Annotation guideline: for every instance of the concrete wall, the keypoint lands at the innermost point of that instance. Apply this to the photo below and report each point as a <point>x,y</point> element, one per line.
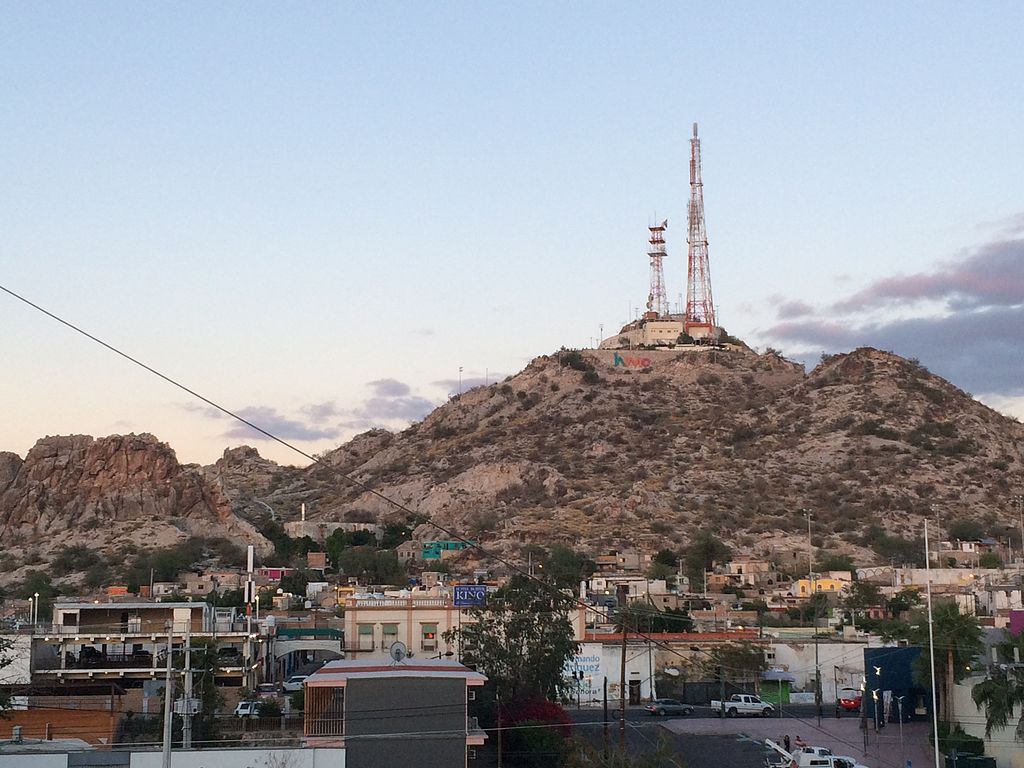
<point>1008,752</point>
<point>798,660</point>
<point>408,721</point>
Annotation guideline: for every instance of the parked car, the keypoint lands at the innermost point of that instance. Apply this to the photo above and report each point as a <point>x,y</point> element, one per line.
<point>267,690</point>
<point>849,699</point>
<point>743,704</point>
<point>247,709</point>
<point>294,683</point>
<point>664,707</point>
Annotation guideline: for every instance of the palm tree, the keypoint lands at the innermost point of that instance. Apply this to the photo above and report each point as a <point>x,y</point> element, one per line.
<point>957,642</point>
<point>1003,689</point>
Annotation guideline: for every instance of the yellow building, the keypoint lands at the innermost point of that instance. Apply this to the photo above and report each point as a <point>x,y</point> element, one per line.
<point>804,587</point>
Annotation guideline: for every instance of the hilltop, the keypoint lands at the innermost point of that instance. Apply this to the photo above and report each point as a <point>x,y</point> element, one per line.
<point>598,450</point>
<point>644,453</point>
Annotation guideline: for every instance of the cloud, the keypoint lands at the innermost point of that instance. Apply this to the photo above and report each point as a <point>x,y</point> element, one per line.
<point>320,412</point>
<point>794,309</point>
<point>389,388</point>
<point>391,403</point>
<point>993,276</point>
<point>277,424</point>
<point>974,339</point>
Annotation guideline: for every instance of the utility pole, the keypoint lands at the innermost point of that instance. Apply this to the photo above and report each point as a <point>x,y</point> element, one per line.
<point>497,701</point>
<point>721,690</point>
<point>606,732</point>
<point>186,727</point>
<point>931,643</point>
<point>814,621</point>
<point>622,688</point>
<point>1019,500</point>
<point>168,698</point>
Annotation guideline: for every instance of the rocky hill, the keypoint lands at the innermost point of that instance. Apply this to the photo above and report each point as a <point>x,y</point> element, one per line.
<point>597,450</point>
<point>106,493</point>
<point>606,450</point>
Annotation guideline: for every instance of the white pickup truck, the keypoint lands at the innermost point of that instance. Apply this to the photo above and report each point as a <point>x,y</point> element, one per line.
<point>743,704</point>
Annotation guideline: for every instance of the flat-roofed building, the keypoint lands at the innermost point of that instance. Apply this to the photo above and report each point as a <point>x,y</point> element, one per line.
<point>410,712</point>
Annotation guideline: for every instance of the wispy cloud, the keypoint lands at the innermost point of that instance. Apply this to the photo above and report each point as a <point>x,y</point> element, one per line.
<point>991,277</point>
<point>277,424</point>
<point>969,328</point>
<point>389,388</point>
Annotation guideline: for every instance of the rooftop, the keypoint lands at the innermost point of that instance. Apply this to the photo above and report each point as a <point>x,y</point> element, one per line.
<point>338,672</point>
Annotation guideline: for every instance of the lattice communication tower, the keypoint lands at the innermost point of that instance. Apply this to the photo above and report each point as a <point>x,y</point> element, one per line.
<point>657,299</point>
<point>700,306</point>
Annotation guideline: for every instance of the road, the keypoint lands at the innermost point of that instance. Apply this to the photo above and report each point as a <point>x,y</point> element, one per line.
<point>645,732</point>
<point>703,740</point>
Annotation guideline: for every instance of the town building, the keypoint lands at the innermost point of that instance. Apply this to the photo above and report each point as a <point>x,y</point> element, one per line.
<point>405,712</point>
<point>128,640</point>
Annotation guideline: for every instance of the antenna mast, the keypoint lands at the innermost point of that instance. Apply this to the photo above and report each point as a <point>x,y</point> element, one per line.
<point>700,307</point>
<point>657,299</point>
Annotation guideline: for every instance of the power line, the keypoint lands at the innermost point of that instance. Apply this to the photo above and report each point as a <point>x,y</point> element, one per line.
<point>358,483</point>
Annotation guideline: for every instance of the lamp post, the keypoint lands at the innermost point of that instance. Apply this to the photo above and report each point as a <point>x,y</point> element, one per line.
<point>32,614</point>
<point>899,706</point>
<point>35,619</point>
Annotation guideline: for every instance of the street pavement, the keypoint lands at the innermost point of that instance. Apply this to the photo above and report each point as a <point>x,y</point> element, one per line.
<point>705,740</point>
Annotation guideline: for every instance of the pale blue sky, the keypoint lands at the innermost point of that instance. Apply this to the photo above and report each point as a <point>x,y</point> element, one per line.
<point>244,195</point>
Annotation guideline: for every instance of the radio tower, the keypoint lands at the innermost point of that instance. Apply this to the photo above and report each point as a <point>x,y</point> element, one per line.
<point>700,307</point>
<point>657,299</point>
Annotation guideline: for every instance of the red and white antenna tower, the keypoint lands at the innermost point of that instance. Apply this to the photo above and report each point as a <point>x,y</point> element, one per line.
<point>657,299</point>
<point>700,307</point>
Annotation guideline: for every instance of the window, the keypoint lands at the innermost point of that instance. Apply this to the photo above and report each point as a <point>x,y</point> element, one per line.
<point>366,637</point>
<point>428,641</point>
<point>390,634</point>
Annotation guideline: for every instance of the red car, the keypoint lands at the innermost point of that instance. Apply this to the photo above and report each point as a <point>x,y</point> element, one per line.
<point>849,699</point>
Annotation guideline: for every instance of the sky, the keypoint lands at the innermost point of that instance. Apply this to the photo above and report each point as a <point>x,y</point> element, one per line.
<point>322,215</point>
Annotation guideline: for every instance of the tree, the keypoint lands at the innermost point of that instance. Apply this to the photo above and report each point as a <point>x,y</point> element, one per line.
<point>704,551</point>
<point>903,601</point>
<point>743,661</point>
<point>521,640</point>
<point>1003,689</point>
<point>5,660</point>
<point>990,560</point>
<point>333,546</point>
<point>295,583</point>
<point>861,595</point>
<point>831,561</point>
<point>644,617</point>
<point>566,567</point>
<point>38,582</point>
<point>957,641</point>
<point>966,530</point>
<point>366,563</point>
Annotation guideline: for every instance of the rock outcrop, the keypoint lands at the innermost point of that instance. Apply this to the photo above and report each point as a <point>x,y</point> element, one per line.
<point>122,487</point>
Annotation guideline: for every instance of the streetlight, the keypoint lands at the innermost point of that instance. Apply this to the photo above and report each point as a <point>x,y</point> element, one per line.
<point>32,614</point>
<point>899,705</point>
<point>35,619</point>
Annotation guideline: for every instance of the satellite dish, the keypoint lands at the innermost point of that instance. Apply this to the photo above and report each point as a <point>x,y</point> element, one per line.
<point>398,651</point>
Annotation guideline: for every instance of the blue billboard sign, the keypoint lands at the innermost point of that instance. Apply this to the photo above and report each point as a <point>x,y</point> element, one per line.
<point>469,595</point>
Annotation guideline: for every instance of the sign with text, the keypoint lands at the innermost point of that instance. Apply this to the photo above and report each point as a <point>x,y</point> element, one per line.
<point>467,595</point>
